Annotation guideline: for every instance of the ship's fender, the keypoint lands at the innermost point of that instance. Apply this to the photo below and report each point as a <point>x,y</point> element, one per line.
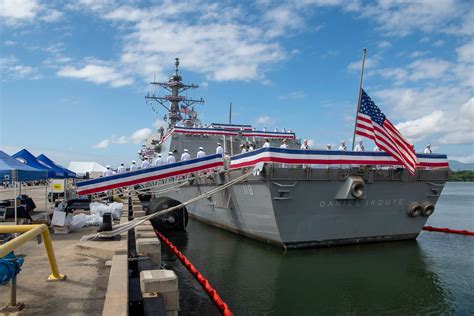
<point>175,220</point>
<point>414,209</point>
<point>428,209</point>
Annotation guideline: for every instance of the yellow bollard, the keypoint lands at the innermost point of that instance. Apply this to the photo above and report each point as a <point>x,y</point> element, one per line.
<point>29,232</point>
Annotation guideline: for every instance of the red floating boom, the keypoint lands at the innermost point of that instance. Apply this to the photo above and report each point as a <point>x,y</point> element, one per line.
<point>448,230</point>
<point>220,304</point>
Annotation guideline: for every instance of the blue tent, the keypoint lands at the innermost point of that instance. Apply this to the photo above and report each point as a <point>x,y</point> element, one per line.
<point>26,157</point>
<point>67,173</point>
<point>9,166</point>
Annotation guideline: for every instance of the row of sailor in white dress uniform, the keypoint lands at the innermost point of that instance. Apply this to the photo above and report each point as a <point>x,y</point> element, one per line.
<point>160,161</point>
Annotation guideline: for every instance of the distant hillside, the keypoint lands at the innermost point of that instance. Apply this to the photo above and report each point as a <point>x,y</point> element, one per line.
<point>457,165</point>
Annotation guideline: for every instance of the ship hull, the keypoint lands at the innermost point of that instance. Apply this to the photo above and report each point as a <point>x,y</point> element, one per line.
<point>297,207</point>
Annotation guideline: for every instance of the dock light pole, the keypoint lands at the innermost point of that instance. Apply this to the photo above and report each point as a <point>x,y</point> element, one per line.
<point>364,52</point>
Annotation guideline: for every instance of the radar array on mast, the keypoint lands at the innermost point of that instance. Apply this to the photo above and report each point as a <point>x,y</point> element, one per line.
<point>175,86</point>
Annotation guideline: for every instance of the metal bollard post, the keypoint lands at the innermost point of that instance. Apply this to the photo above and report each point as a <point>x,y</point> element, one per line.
<point>13,306</point>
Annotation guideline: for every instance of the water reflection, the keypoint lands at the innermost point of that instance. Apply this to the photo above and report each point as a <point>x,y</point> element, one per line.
<point>254,278</point>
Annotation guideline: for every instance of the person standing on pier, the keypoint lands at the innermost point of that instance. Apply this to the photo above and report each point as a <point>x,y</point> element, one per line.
<point>185,156</point>
<point>200,153</point>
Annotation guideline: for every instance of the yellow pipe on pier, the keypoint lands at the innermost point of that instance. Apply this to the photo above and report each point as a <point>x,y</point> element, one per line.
<point>29,232</point>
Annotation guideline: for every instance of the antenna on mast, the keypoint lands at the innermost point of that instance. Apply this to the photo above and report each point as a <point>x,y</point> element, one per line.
<point>171,102</point>
<point>230,113</point>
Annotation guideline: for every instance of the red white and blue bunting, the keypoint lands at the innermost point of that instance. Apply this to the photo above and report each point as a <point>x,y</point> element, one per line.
<point>330,157</point>
<point>148,174</point>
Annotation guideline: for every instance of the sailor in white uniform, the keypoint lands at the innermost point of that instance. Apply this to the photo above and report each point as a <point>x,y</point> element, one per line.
<point>200,153</point>
<point>121,169</point>
<point>107,172</point>
<point>264,128</point>
<point>359,146</point>
<point>145,163</point>
<point>267,143</point>
<point>284,144</point>
<point>342,146</point>
<point>171,158</point>
<point>305,144</point>
<point>276,130</point>
<point>251,147</point>
<point>185,156</point>
<point>159,161</point>
<point>243,149</point>
<point>376,148</point>
<point>219,149</point>
<point>133,166</point>
<point>428,149</point>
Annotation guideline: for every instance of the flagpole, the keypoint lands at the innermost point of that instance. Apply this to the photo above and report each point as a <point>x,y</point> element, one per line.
<point>364,52</point>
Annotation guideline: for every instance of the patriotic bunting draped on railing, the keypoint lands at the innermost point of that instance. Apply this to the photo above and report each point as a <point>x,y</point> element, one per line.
<point>148,174</point>
<point>330,157</point>
<point>227,132</point>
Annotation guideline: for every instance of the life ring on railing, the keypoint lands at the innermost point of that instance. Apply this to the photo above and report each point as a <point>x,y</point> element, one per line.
<point>357,190</point>
<point>428,209</point>
<point>415,209</point>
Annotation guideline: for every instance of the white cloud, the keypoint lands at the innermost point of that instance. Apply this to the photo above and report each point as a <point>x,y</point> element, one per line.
<point>404,17</point>
<point>140,135</point>
<point>438,43</point>
<point>370,63</point>
<point>466,52</point>
<point>384,44</point>
<point>11,69</point>
<point>51,15</point>
<point>17,12</point>
<point>159,123</point>
<point>265,120</point>
<point>417,54</point>
<point>97,74</point>
<point>102,144</point>
<point>281,20</point>
<point>454,127</point>
<point>298,94</point>
<point>9,43</point>
<point>428,68</point>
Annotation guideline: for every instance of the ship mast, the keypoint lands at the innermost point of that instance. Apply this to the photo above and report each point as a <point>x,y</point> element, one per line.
<point>175,86</point>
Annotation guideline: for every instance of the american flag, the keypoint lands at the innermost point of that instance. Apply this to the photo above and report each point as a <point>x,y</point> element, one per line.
<point>184,109</point>
<point>373,124</point>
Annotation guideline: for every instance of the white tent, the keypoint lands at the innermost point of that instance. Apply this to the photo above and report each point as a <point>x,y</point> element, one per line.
<point>82,167</point>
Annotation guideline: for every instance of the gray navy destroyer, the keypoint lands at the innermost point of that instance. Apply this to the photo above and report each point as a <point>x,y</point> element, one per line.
<point>290,206</point>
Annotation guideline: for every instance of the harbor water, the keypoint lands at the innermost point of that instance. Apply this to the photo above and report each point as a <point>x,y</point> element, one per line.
<point>432,275</point>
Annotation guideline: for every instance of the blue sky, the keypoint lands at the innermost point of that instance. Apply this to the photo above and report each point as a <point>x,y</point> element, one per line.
<point>74,74</point>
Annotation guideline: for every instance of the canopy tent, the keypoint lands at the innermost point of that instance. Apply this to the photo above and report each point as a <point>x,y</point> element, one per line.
<point>27,158</point>
<point>67,173</point>
<point>94,169</point>
<point>10,166</point>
